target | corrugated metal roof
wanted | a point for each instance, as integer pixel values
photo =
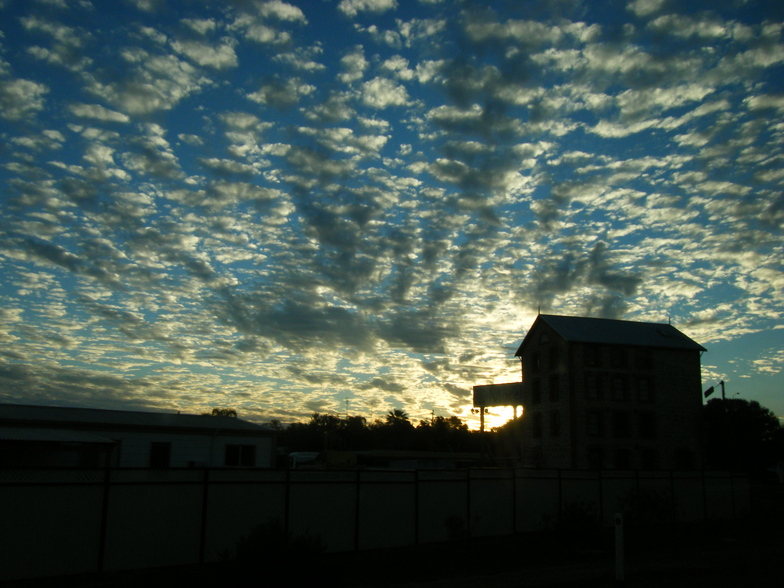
(59, 415)
(50, 436)
(614, 332)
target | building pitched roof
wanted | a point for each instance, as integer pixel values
(613, 332)
(16, 414)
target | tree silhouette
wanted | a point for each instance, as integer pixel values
(229, 412)
(330, 432)
(742, 436)
(397, 417)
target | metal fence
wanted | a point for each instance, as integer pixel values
(63, 521)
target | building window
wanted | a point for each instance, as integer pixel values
(642, 358)
(618, 357)
(537, 425)
(623, 460)
(621, 424)
(648, 458)
(160, 454)
(240, 456)
(594, 423)
(553, 357)
(555, 424)
(593, 355)
(595, 457)
(592, 387)
(619, 388)
(535, 363)
(647, 422)
(536, 391)
(644, 390)
(554, 387)
(684, 459)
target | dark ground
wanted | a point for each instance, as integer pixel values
(739, 554)
(716, 555)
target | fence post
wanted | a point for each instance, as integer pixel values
(468, 502)
(357, 512)
(514, 500)
(203, 532)
(287, 501)
(619, 564)
(104, 517)
(416, 507)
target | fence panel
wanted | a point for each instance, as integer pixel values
(620, 493)
(323, 503)
(443, 506)
(151, 524)
(54, 520)
(238, 501)
(689, 496)
(492, 503)
(387, 510)
(49, 529)
(719, 501)
(538, 495)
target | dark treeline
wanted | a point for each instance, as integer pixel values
(354, 433)
(740, 436)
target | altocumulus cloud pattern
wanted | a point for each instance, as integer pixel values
(287, 207)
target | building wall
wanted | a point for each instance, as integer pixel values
(616, 407)
(185, 450)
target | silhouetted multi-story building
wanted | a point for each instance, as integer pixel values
(600, 393)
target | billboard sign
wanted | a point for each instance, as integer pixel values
(510, 394)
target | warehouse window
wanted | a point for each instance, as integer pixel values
(160, 454)
(240, 456)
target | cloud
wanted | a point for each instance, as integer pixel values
(352, 8)
(645, 7)
(21, 98)
(382, 93)
(282, 11)
(153, 82)
(353, 65)
(203, 54)
(98, 112)
(282, 93)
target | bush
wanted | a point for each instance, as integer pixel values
(270, 550)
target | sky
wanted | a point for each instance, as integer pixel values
(354, 206)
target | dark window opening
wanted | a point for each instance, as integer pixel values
(642, 359)
(621, 425)
(648, 459)
(554, 387)
(536, 391)
(647, 422)
(618, 357)
(644, 390)
(619, 388)
(684, 459)
(595, 458)
(593, 356)
(160, 454)
(535, 363)
(592, 387)
(623, 460)
(594, 423)
(555, 423)
(241, 456)
(537, 425)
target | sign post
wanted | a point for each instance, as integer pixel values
(619, 549)
(510, 394)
